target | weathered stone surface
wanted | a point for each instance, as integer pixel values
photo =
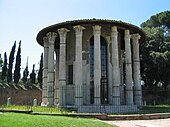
(101, 56)
(20, 96)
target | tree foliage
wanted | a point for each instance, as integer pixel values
(17, 65)
(40, 72)
(155, 59)
(1, 61)
(11, 60)
(160, 20)
(25, 73)
(4, 68)
(33, 75)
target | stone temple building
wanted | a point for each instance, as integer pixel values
(92, 65)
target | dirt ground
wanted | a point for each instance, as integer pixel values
(141, 123)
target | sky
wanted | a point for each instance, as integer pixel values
(23, 19)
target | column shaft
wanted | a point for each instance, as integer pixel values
(51, 39)
(115, 68)
(78, 66)
(56, 87)
(109, 73)
(62, 66)
(45, 72)
(122, 91)
(136, 70)
(128, 62)
(97, 64)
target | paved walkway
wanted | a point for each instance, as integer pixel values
(141, 123)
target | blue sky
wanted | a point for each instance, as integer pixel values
(23, 19)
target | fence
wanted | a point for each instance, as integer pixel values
(26, 99)
(156, 96)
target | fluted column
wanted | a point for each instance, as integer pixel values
(97, 64)
(128, 62)
(51, 39)
(115, 68)
(136, 70)
(45, 72)
(62, 66)
(78, 66)
(56, 87)
(109, 73)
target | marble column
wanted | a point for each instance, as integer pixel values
(62, 66)
(78, 66)
(51, 39)
(56, 87)
(128, 66)
(122, 91)
(109, 73)
(97, 64)
(136, 70)
(45, 72)
(115, 68)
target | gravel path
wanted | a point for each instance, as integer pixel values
(142, 123)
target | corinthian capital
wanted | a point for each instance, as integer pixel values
(45, 40)
(63, 32)
(114, 31)
(51, 37)
(78, 28)
(96, 29)
(135, 37)
(127, 34)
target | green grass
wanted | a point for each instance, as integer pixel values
(155, 109)
(26, 120)
(144, 110)
(36, 109)
(149, 109)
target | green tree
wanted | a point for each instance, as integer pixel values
(155, 59)
(33, 75)
(4, 68)
(40, 72)
(11, 60)
(160, 20)
(17, 65)
(1, 61)
(25, 73)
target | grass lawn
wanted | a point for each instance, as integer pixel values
(156, 109)
(26, 120)
(35, 109)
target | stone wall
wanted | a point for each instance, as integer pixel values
(20, 96)
(156, 96)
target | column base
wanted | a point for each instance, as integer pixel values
(115, 100)
(78, 101)
(97, 100)
(129, 97)
(138, 97)
(51, 94)
(62, 93)
(116, 94)
(78, 95)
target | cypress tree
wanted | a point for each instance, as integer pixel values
(17, 65)
(11, 60)
(1, 61)
(25, 72)
(40, 72)
(4, 68)
(33, 75)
